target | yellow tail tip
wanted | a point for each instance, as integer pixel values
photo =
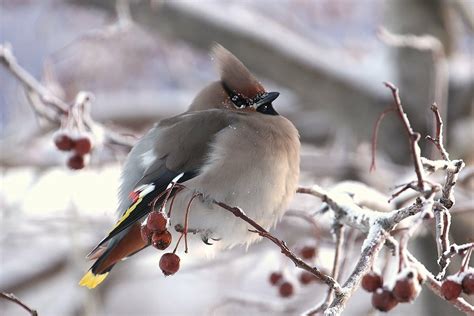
(91, 280)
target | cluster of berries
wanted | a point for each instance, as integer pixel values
(79, 144)
(455, 284)
(155, 231)
(406, 288)
(286, 287)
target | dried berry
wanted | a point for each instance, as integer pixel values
(451, 289)
(76, 162)
(146, 234)
(169, 263)
(383, 300)
(308, 252)
(407, 288)
(162, 240)
(372, 281)
(63, 142)
(286, 289)
(306, 278)
(157, 221)
(83, 145)
(468, 283)
(275, 278)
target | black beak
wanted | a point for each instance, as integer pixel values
(267, 98)
(264, 105)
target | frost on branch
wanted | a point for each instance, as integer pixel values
(354, 220)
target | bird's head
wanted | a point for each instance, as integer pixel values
(237, 89)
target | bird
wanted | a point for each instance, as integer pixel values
(231, 146)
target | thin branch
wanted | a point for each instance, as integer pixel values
(372, 246)
(339, 232)
(457, 250)
(11, 297)
(281, 244)
(375, 134)
(413, 137)
(438, 140)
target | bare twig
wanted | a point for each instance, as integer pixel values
(413, 137)
(438, 139)
(457, 250)
(339, 232)
(11, 297)
(375, 134)
(281, 244)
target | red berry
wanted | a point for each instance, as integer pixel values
(383, 300)
(162, 240)
(76, 162)
(308, 252)
(406, 289)
(286, 289)
(157, 221)
(146, 234)
(275, 278)
(450, 289)
(307, 278)
(169, 263)
(63, 142)
(83, 145)
(468, 283)
(372, 281)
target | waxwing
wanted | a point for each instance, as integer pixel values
(230, 146)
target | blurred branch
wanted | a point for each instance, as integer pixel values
(51, 102)
(11, 297)
(339, 232)
(439, 86)
(465, 10)
(305, 66)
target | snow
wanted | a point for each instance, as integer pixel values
(458, 277)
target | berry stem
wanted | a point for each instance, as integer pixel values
(186, 220)
(465, 260)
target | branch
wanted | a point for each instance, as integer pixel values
(413, 137)
(438, 140)
(376, 224)
(435, 286)
(11, 297)
(332, 283)
(339, 232)
(51, 103)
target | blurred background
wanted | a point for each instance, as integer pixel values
(145, 60)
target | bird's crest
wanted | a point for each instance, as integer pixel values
(235, 75)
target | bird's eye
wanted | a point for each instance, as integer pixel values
(239, 101)
(236, 98)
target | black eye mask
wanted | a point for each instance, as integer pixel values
(262, 102)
